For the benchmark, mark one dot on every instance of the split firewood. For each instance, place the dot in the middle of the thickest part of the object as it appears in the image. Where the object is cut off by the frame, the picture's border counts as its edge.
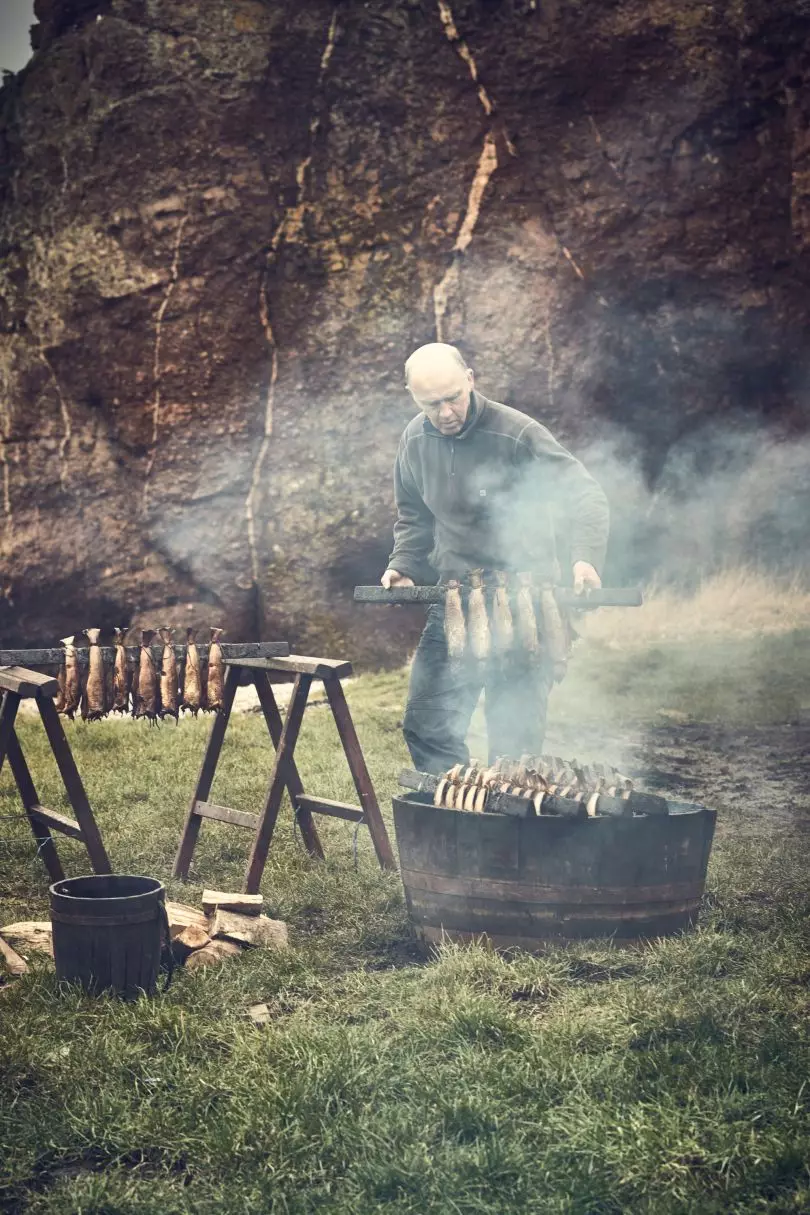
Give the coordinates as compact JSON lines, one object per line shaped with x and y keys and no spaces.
{"x":168,"y":675}
{"x":95,"y":688}
{"x":477,"y":622}
{"x":526,"y":619}
{"x":14,"y":964}
{"x":147,"y":703}
{"x":502,"y":628}
{"x":216,"y":673}
{"x":29,"y":936}
{"x":554,"y":633}
{"x":73,"y":686}
{"x":193,"y":937}
{"x":122,"y":675}
{"x":180,"y":915}
{"x":212,"y":954}
{"x":454,"y":628}
{"x":245,"y":904}
{"x":192,"y":683}
{"x":250,"y":930}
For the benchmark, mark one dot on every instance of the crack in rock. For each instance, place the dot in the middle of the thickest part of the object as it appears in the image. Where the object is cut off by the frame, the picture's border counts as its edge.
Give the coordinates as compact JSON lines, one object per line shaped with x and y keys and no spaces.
{"x":288,"y":229}
{"x":487,"y":164}
{"x":67,"y":424}
{"x":170,"y":286}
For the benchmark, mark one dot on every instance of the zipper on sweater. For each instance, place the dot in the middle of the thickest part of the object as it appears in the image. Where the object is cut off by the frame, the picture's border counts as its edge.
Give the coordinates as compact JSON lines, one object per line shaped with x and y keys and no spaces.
{"x":452,"y":458}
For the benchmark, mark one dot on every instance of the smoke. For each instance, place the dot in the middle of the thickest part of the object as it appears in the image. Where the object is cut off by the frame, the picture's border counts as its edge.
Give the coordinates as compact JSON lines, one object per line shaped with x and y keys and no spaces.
{"x":725,"y":497}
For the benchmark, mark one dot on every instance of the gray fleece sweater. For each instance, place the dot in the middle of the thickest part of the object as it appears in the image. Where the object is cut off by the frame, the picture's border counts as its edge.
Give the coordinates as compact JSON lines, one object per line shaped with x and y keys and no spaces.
{"x":498,"y":495}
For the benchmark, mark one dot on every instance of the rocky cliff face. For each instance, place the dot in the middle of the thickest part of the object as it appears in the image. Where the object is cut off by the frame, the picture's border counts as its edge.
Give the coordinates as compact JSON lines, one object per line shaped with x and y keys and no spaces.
{"x":225,"y":225}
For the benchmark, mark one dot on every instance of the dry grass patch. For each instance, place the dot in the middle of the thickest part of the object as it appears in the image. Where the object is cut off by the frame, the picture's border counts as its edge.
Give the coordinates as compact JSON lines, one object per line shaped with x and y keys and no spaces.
{"x":731,"y":604}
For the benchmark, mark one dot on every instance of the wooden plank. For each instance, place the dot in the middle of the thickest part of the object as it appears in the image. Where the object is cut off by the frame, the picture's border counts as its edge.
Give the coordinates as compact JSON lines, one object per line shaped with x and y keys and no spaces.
{"x":15,"y":965}
{"x":607,"y":596}
{"x":360,"y":774}
{"x":246,"y":904}
{"x":191,"y":827}
{"x":250,"y":929}
{"x":27,"y":683}
{"x":279,"y":778}
{"x":301,"y":664}
{"x":59,"y":822}
{"x":45,"y":845}
{"x":53,"y":656}
{"x":77,"y":797}
{"x":224,"y":814}
{"x":322,"y":805}
{"x":295,"y":787}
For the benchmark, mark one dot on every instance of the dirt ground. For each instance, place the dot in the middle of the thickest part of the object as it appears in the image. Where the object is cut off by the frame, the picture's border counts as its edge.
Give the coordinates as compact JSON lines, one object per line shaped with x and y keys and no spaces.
{"x":757,"y":778}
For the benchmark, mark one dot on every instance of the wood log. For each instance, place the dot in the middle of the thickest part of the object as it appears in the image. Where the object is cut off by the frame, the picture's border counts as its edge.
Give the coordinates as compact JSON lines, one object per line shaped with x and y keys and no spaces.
{"x":193,"y":937}
{"x":245,"y":904}
{"x":212,"y":954}
{"x":29,"y":936}
{"x":259,"y":931}
{"x":181,"y":915}
{"x":14,"y":964}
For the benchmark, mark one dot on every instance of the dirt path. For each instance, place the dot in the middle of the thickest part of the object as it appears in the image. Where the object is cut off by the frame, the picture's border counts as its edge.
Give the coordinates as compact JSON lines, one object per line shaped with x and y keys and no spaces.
{"x":760,"y":775}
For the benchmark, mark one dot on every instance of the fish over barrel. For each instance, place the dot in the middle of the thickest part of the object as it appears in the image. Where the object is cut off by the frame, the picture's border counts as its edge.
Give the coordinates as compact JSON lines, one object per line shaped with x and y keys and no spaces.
{"x":530,"y":882}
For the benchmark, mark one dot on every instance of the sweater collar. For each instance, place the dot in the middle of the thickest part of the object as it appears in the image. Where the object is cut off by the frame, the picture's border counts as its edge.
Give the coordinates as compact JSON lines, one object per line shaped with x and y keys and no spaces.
{"x":478,"y":406}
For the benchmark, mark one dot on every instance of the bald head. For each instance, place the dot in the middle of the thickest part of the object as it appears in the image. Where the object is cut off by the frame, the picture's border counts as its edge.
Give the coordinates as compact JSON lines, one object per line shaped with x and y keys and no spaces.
{"x":440,"y":383}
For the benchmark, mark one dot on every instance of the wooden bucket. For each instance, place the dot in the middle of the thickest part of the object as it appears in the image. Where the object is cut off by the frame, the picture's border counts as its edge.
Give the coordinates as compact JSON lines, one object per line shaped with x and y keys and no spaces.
{"x":538,"y":881}
{"x":107,"y":932}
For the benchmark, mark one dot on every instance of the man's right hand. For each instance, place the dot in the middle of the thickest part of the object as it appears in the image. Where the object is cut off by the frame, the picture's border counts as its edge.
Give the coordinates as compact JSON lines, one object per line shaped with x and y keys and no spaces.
{"x":394,"y":578}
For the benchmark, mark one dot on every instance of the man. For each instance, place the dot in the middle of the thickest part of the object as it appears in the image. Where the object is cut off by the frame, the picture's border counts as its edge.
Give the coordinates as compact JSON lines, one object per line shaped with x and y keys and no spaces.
{"x":481,"y":485}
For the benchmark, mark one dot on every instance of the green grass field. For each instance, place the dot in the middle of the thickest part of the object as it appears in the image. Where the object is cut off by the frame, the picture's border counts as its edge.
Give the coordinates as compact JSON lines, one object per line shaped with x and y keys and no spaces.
{"x":669,"y":1078}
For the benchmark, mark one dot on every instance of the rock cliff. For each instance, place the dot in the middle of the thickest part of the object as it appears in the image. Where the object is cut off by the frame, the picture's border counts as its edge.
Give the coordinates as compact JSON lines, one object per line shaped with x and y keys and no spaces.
{"x":225,"y":225}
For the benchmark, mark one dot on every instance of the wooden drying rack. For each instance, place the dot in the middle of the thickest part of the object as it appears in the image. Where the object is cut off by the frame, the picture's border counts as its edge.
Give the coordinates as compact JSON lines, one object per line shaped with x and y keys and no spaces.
{"x":246,"y":662}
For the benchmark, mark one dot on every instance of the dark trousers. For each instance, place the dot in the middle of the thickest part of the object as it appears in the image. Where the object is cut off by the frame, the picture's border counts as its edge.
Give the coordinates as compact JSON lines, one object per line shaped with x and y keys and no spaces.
{"x":443,"y":694}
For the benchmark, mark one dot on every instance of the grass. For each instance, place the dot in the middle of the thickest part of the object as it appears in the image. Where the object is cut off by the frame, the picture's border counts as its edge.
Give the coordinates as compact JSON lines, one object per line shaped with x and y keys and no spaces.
{"x":588,"y":1081}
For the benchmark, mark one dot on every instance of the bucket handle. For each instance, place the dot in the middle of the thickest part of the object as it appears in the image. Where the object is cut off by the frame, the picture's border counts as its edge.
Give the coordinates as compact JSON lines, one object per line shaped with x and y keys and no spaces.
{"x":165,"y":932}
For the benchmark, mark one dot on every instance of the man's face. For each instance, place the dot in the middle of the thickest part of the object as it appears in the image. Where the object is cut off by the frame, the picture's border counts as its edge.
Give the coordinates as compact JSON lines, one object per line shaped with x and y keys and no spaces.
{"x":443,"y":395}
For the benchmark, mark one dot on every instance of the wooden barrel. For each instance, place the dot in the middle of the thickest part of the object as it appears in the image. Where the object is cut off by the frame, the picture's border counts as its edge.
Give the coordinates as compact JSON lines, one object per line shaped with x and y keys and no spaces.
{"x":107,"y":932}
{"x":526,"y":882}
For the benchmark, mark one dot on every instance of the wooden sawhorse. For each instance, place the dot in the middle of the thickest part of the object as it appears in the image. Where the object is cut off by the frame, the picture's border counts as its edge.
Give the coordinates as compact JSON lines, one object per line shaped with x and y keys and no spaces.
{"x":17,"y":684}
{"x":285,"y":773}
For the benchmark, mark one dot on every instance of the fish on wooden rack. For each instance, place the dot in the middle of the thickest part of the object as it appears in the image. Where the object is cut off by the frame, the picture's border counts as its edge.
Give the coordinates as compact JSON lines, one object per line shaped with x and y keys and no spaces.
{"x":192,"y":682}
{"x":147,"y":699}
{"x":215,"y":683}
{"x":503,"y":633}
{"x":526,"y":619}
{"x":454,"y":628}
{"x":168,"y":675}
{"x":122,"y":675}
{"x":477,"y":621}
{"x":73,"y":685}
{"x":554,"y":633}
{"x":95,"y":685}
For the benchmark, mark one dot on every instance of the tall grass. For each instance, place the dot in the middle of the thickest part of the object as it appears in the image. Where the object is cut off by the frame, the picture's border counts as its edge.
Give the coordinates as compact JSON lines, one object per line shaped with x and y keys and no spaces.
{"x":731,"y":604}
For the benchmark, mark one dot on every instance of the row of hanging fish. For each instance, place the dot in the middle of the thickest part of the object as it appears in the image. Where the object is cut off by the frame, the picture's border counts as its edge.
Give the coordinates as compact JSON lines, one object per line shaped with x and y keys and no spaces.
{"x":143,"y":687}
{"x":465,"y":787}
{"x":505,"y":620}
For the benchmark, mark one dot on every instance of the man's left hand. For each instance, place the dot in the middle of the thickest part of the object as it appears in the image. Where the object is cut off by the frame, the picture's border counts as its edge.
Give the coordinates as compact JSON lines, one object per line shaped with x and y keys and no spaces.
{"x":585,"y":578}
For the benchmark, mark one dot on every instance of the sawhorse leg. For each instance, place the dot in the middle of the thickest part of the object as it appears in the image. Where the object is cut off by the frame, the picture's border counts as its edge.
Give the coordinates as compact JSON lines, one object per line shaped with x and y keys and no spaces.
{"x":359,"y":771}
{"x":90,"y":834}
{"x":278,"y":780}
{"x":295,"y":787}
{"x":191,"y":827}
